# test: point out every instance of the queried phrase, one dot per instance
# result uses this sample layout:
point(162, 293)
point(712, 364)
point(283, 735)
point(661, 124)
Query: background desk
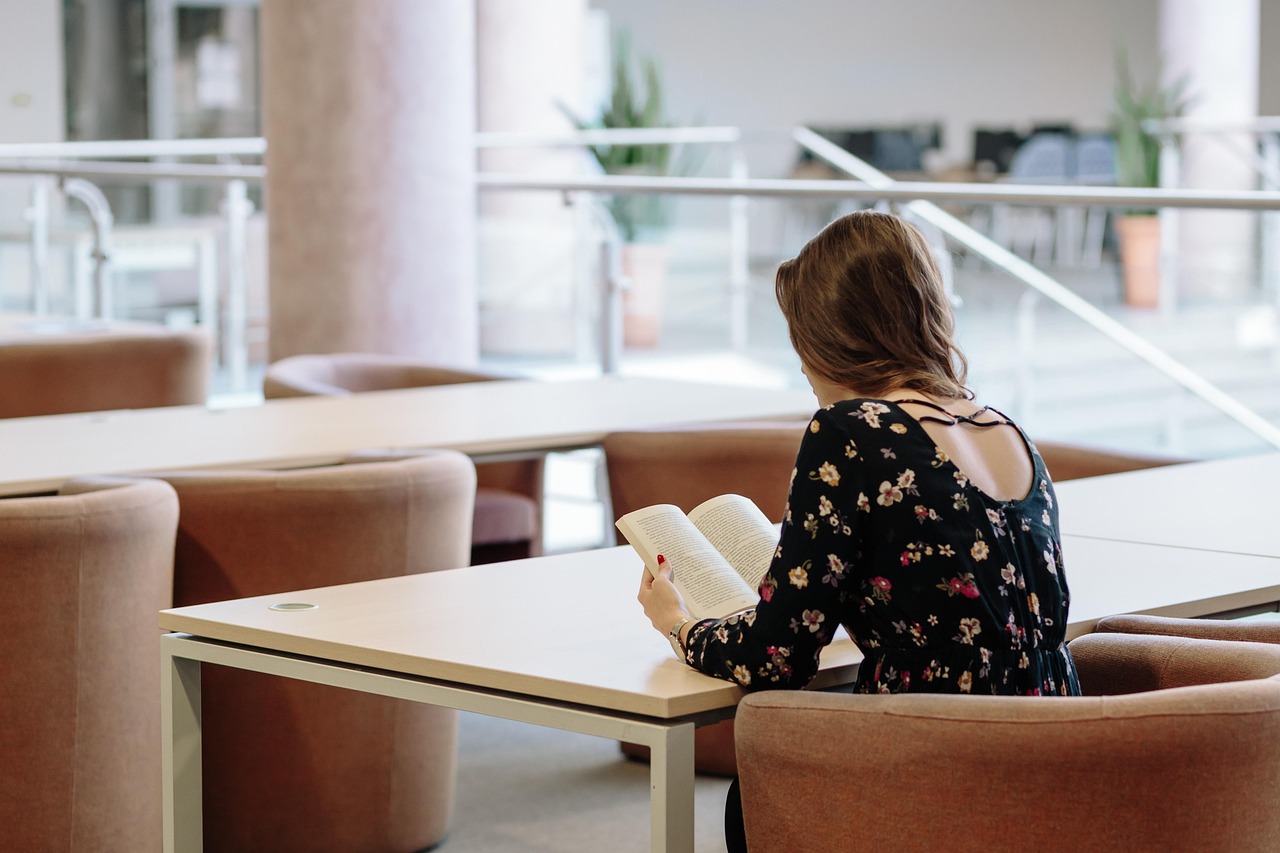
point(481, 418)
point(1227, 505)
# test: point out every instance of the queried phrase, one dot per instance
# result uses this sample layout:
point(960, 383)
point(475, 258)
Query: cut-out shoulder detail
point(991, 463)
point(952, 418)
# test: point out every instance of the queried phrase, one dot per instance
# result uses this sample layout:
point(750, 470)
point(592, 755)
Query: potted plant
point(641, 218)
point(1138, 165)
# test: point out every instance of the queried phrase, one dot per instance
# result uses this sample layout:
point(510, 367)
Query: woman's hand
point(660, 599)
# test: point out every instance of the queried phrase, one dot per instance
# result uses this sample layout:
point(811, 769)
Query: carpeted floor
point(529, 788)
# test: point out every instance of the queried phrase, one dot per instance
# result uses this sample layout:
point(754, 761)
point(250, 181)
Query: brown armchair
point(686, 466)
point(1247, 630)
point(99, 371)
point(508, 517)
point(293, 766)
point(82, 577)
point(1068, 461)
point(1176, 768)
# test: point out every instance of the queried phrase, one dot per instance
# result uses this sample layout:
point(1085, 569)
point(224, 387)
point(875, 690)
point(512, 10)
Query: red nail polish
point(661, 559)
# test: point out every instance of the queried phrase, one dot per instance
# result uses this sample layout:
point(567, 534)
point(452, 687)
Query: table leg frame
point(671, 776)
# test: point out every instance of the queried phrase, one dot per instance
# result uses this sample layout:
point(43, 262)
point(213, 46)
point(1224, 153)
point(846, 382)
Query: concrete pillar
point(1215, 45)
point(369, 116)
point(530, 60)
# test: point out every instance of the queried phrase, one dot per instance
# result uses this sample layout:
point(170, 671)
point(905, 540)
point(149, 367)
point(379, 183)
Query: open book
point(718, 553)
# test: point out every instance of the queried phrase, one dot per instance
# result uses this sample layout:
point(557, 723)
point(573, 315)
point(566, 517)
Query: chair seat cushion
point(503, 517)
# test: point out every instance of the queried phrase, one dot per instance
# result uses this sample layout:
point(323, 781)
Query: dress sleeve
point(777, 643)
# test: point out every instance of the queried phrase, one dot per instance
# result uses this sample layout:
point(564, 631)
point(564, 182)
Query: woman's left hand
point(660, 599)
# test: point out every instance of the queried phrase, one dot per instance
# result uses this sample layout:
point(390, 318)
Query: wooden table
point(480, 419)
point(605, 673)
point(1224, 505)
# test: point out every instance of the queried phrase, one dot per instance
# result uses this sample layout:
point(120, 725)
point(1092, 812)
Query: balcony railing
point(69, 162)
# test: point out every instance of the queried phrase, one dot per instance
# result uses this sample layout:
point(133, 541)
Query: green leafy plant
point(633, 105)
point(1137, 150)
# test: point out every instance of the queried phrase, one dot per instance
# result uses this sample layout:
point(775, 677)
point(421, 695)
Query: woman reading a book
point(921, 521)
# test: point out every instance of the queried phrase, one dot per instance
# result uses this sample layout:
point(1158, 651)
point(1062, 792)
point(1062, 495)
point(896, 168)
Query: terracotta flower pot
point(645, 265)
point(1140, 259)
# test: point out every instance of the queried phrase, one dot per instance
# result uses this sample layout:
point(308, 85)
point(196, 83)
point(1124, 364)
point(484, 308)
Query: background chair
point(685, 467)
point(99, 371)
point(1172, 769)
point(1031, 232)
point(82, 577)
point(508, 519)
point(1246, 630)
point(292, 766)
point(1070, 461)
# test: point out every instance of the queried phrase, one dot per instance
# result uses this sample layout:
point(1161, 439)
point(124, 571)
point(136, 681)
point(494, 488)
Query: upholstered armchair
point(98, 371)
point(1069, 461)
point(294, 766)
point(508, 518)
point(1247, 630)
point(1175, 768)
point(686, 466)
point(82, 577)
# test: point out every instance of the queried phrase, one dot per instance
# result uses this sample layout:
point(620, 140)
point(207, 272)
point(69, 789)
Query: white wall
point(31, 87)
point(759, 63)
point(31, 110)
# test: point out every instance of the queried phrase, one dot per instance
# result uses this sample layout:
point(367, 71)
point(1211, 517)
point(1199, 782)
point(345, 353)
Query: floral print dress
point(942, 587)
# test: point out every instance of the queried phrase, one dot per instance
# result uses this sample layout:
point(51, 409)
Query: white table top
point(565, 627)
point(38, 454)
point(1229, 505)
point(1106, 577)
point(568, 628)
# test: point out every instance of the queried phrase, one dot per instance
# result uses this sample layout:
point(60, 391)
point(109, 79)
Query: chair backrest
point(1189, 768)
point(248, 532)
point(1069, 461)
point(82, 578)
point(1111, 664)
point(1044, 158)
point(342, 373)
point(291, 766)
point(1247, 630)
point(687, 465)
point(92, 372)
point(1096, 159)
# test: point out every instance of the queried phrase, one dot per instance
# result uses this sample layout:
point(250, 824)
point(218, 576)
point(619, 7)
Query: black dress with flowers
point(942, 587)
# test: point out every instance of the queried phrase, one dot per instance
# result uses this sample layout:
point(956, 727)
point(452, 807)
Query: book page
point(710, 585)
point(741, 532)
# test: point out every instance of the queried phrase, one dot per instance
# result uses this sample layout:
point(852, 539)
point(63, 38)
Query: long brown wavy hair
point(866, 309)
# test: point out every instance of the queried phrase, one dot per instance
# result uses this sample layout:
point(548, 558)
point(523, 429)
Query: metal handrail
point(135, 172)
point(896, 191)
point(757, 187)
point(1202, 124)
point(611, 136)
point(254, 146)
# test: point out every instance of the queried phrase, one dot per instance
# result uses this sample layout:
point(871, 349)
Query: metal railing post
point(237, 208)
point(739, 246)
point(613, 286)
point(1270, 242)
point(100, 212)
point(1170, 177)
point(38, 217)
point(1025, 337)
